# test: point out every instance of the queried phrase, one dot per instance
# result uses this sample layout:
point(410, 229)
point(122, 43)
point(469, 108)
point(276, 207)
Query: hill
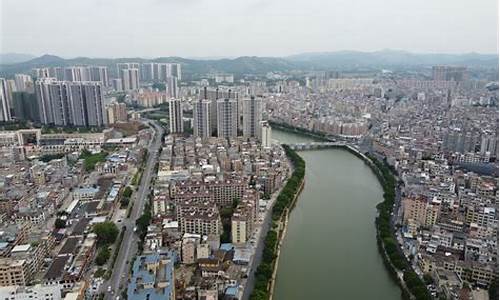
point(390, 58)
point(341, 60)
point(14, 58)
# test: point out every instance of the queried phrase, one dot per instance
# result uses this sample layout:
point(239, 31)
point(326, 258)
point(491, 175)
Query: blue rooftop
point(226, 247)
point(152, 277)
point(232, 291)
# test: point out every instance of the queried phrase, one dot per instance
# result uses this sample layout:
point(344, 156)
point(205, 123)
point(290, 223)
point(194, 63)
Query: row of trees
point(291, 188)
point(385, 234)
point(265, 270)
point(49, 157)
point(136, 180)
point(142, 224)
point(106, 233)
point(125, 198)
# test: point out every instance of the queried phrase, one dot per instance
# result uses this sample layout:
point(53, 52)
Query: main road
point(118, 280)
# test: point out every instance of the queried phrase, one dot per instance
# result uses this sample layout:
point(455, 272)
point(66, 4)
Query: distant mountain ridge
point(387, 58)
point(339, 60)
point(13, 58)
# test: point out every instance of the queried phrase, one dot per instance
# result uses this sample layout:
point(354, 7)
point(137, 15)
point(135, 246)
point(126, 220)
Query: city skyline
point(249, 150)
point(270, 28)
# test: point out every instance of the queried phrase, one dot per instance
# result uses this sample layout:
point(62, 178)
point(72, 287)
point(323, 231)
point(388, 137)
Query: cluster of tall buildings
point(75, 73)
point(160, 71)
point(131, 73)
point(128, 75)
point(66, 103)
point(449, 73)
point(116, 112)
point(4, 101)
point(51, 101)
point(73, 95)
point(223, 114)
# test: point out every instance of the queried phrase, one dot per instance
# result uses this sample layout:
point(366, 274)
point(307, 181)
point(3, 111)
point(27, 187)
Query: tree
point(102, 256)
point(235, 202)
point(143, 222)
point(428, 278)
point(106, 232)
point(493, 290)
point(127, 192)
point(259, 295)
point(159, 86)
point(60, 223)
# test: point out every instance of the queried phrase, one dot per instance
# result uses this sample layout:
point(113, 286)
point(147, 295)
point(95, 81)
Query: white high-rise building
point(23, 82)
point(147, 72)
point(266, 134)
point(172, 87)
point(130, 79)
point(213, 95)
point(122, 66)
point(117, 84)
point(65, 103)
point(100, 74)
point(160, 72)
point(227, 118)
point(201, 118)
point(252, 117)
point(163, 72)
point(4, 101)
point(175, 115)
point(175, 70)
point(41, 73)
point(77, 74)
point(58, 73)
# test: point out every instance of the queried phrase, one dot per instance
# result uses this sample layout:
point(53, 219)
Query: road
point(259, 246)
point(265, 226)
point(118, 280)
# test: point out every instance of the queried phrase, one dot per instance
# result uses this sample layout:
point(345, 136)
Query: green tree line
point(265, 269)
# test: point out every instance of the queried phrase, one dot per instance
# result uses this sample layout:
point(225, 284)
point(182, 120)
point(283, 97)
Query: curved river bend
point(330, 249)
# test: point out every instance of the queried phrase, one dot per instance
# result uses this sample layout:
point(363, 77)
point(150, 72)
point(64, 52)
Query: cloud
point(244, 27)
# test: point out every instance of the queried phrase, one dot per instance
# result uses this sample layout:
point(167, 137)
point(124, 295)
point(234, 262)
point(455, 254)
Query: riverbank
point(411, 286)
point(298, 130)
point(266, 271)
point(398, 266)
point(283, 225)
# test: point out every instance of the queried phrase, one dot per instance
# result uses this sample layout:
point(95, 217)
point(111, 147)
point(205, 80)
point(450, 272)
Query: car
point(119, 220)
point(109, 288)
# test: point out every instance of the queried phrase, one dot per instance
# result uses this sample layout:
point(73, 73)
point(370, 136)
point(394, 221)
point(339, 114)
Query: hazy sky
point(151, 28)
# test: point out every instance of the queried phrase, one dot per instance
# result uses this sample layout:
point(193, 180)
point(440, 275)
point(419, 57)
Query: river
point(330, 249)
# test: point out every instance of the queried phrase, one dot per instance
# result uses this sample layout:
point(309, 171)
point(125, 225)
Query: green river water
point(330, 249)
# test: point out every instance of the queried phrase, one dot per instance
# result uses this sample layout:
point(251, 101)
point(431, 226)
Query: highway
point(128, 248)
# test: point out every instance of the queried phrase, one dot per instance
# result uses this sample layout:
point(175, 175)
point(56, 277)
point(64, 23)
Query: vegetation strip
point(282, 206)
point(394, 260)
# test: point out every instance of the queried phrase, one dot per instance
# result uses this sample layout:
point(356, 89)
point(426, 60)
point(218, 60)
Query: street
point(259, 246)
point(119, 277)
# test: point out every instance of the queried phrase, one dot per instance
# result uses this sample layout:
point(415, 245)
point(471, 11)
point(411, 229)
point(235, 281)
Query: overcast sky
point(208, 28)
